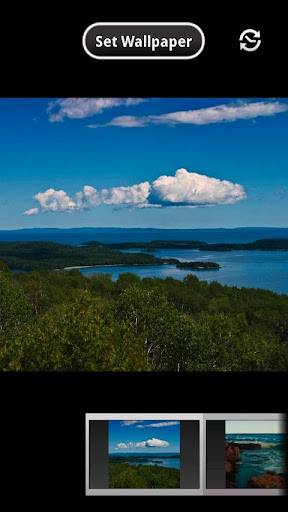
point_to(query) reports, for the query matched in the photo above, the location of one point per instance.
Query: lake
(251, 269)
(152, 460)
(164, 463)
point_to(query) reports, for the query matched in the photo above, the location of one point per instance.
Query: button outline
(147, 24)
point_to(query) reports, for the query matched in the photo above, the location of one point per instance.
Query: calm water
(252, 269)
(77, 236)
(271, 457)
(152, 460)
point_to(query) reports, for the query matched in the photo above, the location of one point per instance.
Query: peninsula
(44, 255)
(28, 256)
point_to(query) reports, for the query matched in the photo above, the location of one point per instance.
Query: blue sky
(126, 152)
(255, 427)
(144, 436)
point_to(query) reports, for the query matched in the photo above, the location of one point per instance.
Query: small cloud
(219, 114)
(160, 424)
(122, 445)
(32, 211)
(129, 121)
(128, 423)
(54, 201)
(79, 108)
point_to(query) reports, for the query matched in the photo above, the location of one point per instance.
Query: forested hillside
(126, 476)
(65, 321)
(49, 255)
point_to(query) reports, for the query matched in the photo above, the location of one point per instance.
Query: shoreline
(113, 265)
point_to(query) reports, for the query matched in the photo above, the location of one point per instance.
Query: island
(198, 265)
(67, 321)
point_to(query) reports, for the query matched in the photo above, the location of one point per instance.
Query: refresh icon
(250, 40)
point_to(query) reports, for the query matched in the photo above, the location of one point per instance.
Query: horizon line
(146, 227)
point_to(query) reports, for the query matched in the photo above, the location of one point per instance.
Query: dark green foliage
(138, 476)
(266, 244)
(198, 265)
(66, 321)
(157, 244)
(49, 255)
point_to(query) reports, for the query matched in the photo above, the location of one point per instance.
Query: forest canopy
(138, 476)
(66, 321)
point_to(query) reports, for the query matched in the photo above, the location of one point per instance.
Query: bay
(251, 269)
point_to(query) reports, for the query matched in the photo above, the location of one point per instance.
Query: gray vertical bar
(215, 454)
(189, 458)
(98, 455)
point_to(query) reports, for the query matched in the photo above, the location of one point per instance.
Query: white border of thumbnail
(145, 492)
(239, 417)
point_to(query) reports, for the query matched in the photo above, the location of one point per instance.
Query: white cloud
(32, 211)
(154, 442)
(89, 197)
(129, 121)
(150, 443)
(185, 189)
(79, 108)
(222, 113)
(128, 423)
(140, 444)
(191, 188)
(55, 201)
(137, 194)
(148, 205)
(160, 424)
(203, 116)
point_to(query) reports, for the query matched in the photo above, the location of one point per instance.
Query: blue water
(252, 269)
(153, 459)
(77, 236)
(269, 458)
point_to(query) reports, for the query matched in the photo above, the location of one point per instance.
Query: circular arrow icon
(250, 37)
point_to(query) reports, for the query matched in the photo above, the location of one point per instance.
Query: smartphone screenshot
(143, 255)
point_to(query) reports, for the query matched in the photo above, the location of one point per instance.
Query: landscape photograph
(144, 454)
(256, 454)
(144, 234)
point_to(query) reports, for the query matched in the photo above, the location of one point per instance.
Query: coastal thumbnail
(144, 454)
(256, 454)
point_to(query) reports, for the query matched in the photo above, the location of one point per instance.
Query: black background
(43, 415)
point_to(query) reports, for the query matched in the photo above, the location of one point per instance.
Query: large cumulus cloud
(184, 189)
(149, 443)
(190, 188)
